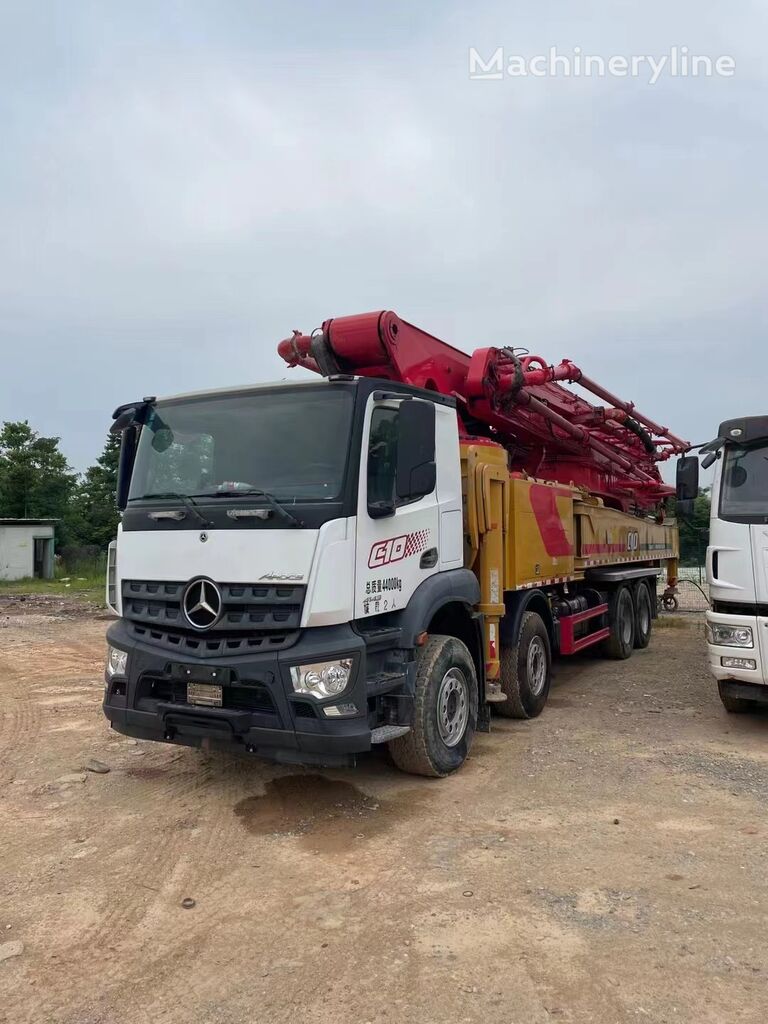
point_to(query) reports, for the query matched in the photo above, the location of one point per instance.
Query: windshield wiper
(257, 492)
(186, 500)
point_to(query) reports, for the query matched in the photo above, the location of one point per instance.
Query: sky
(183, 184)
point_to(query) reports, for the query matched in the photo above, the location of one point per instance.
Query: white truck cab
(737, 562)
(282, 551)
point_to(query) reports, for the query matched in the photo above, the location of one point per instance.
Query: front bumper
(716, 652)
(261, 714)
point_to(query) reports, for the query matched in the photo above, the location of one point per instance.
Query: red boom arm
(515, 400)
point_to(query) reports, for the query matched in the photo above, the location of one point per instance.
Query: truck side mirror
(124, 418)
(687, 479)
(684, 508)
(416, 471)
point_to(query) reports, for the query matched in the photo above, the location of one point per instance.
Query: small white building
(26, 549)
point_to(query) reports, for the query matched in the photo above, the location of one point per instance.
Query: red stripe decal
(548, 519)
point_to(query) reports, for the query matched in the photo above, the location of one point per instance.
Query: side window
(401, 456)
(382, 455)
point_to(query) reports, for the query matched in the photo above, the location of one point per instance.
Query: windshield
(744, 490)
(290, 442)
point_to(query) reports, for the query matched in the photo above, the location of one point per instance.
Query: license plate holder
(208, 695)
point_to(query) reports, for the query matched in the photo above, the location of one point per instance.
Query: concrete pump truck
(381, 555)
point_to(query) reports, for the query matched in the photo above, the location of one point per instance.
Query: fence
(692, 590)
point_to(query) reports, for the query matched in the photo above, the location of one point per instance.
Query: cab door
(398, 510)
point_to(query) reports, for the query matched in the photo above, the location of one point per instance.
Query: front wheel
(526, 670)
(445, 711)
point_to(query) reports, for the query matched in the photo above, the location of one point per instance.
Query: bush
(81, 560)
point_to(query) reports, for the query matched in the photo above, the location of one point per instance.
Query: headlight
(746, 663)
(323, 678)
(729, 636)
(117, 662)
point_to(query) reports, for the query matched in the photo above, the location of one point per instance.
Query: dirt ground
(604, 863)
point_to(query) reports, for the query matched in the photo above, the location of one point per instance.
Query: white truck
(737, 562)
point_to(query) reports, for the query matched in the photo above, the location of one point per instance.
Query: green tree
(36, 481)
(95, 516)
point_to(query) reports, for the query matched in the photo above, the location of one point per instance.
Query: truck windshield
(289, 442)
(744, 490)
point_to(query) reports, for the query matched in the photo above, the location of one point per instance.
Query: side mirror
(423, 479)
(416, 471)
(687, 479)
(162, 439)
(381, 509)
(684, 508)
(737, 476)
(124, 418)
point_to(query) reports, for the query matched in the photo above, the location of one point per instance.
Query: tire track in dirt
(293, 859)
(156, 788)
(19, 721)
(110, 941)
(169, 864)
(25, 662)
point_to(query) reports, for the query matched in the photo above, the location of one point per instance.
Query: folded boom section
(515, 399)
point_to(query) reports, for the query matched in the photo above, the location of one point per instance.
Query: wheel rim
(453, 707)
(626, 621)
(536, 664)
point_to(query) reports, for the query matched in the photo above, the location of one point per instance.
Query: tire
(445, 711)
(734, 705)
(526, 670)
(621, 620)
(643, 616)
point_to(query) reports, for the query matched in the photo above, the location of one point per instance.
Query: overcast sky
(182, 184)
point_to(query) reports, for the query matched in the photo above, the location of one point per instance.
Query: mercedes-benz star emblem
(202, 604)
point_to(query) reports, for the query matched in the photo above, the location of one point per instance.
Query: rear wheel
(526, 670)
(621, 621)
(445, 711)
(643, 615)
(733, 705)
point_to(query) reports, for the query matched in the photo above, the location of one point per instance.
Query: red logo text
(386, 551)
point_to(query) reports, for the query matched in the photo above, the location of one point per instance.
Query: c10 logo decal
(384, 552)
(387, 551)
(633, 540)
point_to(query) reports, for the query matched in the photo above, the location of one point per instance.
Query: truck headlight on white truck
(117, 662)
(722, 635)
(323, 678)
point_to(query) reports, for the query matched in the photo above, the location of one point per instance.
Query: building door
(43, 562)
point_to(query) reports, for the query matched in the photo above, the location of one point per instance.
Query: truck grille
(245, 608)
(212, 645)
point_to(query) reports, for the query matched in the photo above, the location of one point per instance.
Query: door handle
(429, 559)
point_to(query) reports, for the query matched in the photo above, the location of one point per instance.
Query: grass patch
(67, 586)
(676, 621)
